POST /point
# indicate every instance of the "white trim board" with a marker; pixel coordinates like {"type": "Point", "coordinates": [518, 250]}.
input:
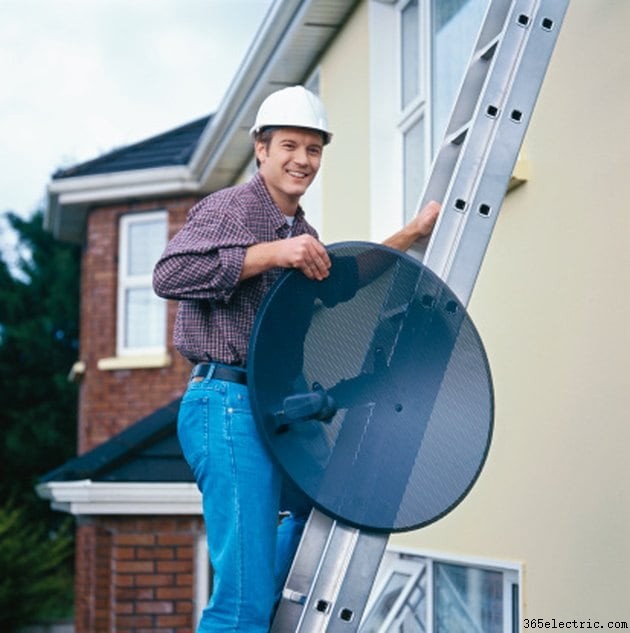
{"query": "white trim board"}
{"type": "Point", "coordinates": [87, 497]}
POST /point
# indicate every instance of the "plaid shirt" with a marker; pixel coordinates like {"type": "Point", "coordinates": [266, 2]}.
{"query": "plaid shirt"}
{"type": "Point", "coordinates": [202, 264]}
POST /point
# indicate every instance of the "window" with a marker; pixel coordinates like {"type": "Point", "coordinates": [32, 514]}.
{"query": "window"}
{"type": "Point", "coordinates": [419, 594]}
{"type": "Point", "coordinates": [436, 39]}
{"type": "Point", "coordinates": [429, 42]}
{"type": "Point", "coordinates": [455, 24]}
{"type": "Point", "coordinates": [141, 314]}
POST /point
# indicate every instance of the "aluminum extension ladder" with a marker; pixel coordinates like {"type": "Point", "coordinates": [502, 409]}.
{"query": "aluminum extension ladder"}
{"type": "Point", "coordinates": [335, 565]}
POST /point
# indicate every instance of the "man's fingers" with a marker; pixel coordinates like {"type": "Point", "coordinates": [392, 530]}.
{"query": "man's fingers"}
{"type": "Point", "coordinates": [311, 257]}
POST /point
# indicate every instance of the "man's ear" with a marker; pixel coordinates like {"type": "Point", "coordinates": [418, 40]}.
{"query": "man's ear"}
{"type": "Point", "coordinates": [260, 149]}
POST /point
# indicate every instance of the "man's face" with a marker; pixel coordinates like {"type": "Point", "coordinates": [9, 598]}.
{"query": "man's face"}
{"type": "Point", "coordinates": [289, 163]}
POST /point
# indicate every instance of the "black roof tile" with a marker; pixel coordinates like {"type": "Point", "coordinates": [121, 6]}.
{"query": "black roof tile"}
{"type": "Point", "coordinates": [148, 450]}
{"type": "Point", "coordinates": [164, 150]}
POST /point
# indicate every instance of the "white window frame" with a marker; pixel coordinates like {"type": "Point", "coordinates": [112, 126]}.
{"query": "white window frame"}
{"type": "Point", "coordinates": [388, 121]}
{"type": "Point", "coordinates": [417, 563]}
{"type": "Point", "coordinates": [126, 282]}
{"type": "Point", "coordinates": [419, 108]}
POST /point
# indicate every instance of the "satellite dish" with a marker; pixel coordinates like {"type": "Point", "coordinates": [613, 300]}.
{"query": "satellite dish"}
{"type": "Point", "coordinates": [372, 389]}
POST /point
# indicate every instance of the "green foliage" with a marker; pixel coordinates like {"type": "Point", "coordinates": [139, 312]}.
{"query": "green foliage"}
{"type": "Point", "coordinates": [35, 576]}
{"type": "Point", "coordinates": [39, 317]}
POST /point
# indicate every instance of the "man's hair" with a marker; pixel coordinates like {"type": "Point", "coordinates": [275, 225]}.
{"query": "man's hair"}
{"type": "Point", "coordinates": [265, 135]}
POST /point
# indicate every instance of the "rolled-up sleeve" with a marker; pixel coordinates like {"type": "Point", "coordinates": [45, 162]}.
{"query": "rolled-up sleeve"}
{"type": "Point", "coordinates": [205, 258]}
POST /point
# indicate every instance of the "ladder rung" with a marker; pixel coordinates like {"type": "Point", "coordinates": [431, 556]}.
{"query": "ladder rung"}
{"type": "Point", "coordinates": [488, 51]}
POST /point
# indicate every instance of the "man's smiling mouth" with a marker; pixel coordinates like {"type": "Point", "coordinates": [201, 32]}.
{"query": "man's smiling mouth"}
{"type": "Point", "coordinates": [296, 174]}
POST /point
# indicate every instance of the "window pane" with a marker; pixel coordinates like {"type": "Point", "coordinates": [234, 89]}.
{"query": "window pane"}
{"type": "Point", "coordinates": [467, 600]}
{"type": "Point", "coordinates": [410, 53]}
{"type": "Point", "coordinates": [455, 27]}
{"type": "Point", "coordinates": [144, 318]}
{"type": "Point", "coordinates": [413, 148]}
{"type": "Point", "coordinates": [394, 585]}
{"type": "Point", "coordinates": [147, 240]}
{"type": "Point", "coordinates": [412, 616]}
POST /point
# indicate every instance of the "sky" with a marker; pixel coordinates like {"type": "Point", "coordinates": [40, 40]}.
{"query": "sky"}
{"type": "Point", "coordinates": [79, 78]}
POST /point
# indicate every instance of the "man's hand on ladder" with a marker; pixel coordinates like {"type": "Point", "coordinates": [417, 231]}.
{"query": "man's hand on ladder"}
{"type": "Point", "coordinates": [420, 226]}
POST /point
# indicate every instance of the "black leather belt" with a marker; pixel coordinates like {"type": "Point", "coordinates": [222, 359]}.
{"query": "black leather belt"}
{"type": "Point", "coordinates": [221, 372]}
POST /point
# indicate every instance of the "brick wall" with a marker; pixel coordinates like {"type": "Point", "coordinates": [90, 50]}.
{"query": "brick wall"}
{"type": "Point", "coordinates": [136, 574]}
{"type": "Point", "coordinates": [110, 401]}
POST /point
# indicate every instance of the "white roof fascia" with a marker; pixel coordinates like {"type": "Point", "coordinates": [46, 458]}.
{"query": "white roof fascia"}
{"type": "Point", "coordinates": [87, 497]}
{"type": "Point", "coordinates": [247, 88]}
{"type": "Point", "coordinates": [289, 26]}
{"type": "Point", "coordinates": [112, 186]}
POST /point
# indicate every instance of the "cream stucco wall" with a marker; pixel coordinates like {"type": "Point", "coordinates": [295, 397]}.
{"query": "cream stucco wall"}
{"type": "Point", "coordinates": [553, 307]}
{"type": "Point", "coordinates": [344, 86]}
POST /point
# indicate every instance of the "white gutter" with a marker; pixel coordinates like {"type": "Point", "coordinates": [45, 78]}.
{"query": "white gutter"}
{"type": "Point", "coordinates": [69, 198]}
{"type": "Point", "coordinates": [125, 184]}
{"type": "Point", "coordinates": [87, 497]}
{"type": "Point", "coordinates": [283, 51]}
{"type": "Point", "coordinates": [250, 85]}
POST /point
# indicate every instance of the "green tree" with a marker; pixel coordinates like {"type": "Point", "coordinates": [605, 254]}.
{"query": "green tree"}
{"type": "Point", "coordinates": [35, 582]}
{"type": "Point", "coordinates": [39, 316]}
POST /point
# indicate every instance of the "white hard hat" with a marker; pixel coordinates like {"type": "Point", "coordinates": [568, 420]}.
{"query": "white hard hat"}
{"type": "Point", "coordinates": [293, 107]}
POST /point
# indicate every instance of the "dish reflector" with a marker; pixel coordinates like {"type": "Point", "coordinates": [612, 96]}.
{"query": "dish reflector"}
{"type": "Point", "coordinates": [372, 389]}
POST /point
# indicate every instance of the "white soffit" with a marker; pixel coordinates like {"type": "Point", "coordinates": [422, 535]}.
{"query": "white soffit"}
{"type": "Point", "coordinates": [285, 51]}
{"type": "Point", "coordinates": [87, 497]}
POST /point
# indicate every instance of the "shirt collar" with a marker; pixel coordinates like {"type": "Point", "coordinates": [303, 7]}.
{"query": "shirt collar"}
{"type": "Point", "coordinates": [278, 218]}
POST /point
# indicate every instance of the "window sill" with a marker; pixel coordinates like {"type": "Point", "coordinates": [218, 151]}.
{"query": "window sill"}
{"type": "Point", "coordinates": [142, 361]}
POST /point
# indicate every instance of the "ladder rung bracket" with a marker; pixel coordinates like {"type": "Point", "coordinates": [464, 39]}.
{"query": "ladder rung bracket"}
{"type": "Point", "coordinates": [351, 598]}
{"type": "Point", "coordinates": [315, 597]}
{"type": "Point", "coordinates": [305, 566]}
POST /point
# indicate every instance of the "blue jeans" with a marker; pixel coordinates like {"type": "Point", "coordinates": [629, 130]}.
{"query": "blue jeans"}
{"type": "Point", "coordinates": [240, 486]}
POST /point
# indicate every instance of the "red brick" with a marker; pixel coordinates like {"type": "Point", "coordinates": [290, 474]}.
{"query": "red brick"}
{"type": "Point", "coordinates": [153, 580]}
{"type": "Point", "coordinates": [112, 553]}
{"type": "Point", "coordinates": [155, 607]}
{"type": "Point", "coordinates": [183, 607]}
{"type": "Point", "coordinates": [173, 593]}
{"type": "Point", "coordinates": [125, 580]}
{"type": "Point", "coordinates": [173, 620]}
{"type": "Point", "coordinates": [135, 539]}
{"type": "Point", "coordinates": [134, 566]}
{"type": "Point", "coordinates": [175, 566]}
{"type": "Point", "coordinates": [134, 621]}
{"type": "Point", "coordinates": [124, 607]}
{"type": "Point", "coordinates": [184, 552]}
{"type": "Point", "coordinates": [155, 553]}
{"type": "Point", "coordinates": [174, 539]}
{"type": "Point", "coordinates": [184, 580]}
{"type": "Point", "coordinates": [134, 593]}
{"type": "Point", "coordinates": [123, 553]}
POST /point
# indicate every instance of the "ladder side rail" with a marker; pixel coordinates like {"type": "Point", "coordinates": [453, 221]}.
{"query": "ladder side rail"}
{"type": "Point", "coordinates": [304, 568]}
{"type": "Point", "coordinates": [479, 142]}
{"type": "Point", "coordinates": [473, 79]}
{"type": "Point", "coordinates": [353, 590]}
{"type": "Point", "coordinates": [321, 576]}
{"type": "Point", "coordinates": [325, 588]}
{"type": "Point", "coordinates": [484, 178]}
{"type": "Point", "coordinates": [451, 183]}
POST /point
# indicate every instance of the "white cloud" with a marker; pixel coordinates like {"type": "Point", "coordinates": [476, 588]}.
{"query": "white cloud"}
{"type": "Point", "coordinates": [81, 78]}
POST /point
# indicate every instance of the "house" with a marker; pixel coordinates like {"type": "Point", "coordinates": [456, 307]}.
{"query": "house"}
{"type": "Point", "coordinates": [541, 538]}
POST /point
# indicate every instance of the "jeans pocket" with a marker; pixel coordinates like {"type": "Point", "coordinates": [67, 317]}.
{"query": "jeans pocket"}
{"type": "Point", "coordinates": [192, 428]}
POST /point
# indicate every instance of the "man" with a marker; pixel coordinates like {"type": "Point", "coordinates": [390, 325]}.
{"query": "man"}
{"type": "Point", "coordinates": [220, 266]}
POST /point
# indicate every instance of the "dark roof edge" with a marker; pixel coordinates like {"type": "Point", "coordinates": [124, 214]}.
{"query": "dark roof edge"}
{"type": "Point", "coordinates": [118, 448]}
{"type": "Point", "coordinates": [70, 172]}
